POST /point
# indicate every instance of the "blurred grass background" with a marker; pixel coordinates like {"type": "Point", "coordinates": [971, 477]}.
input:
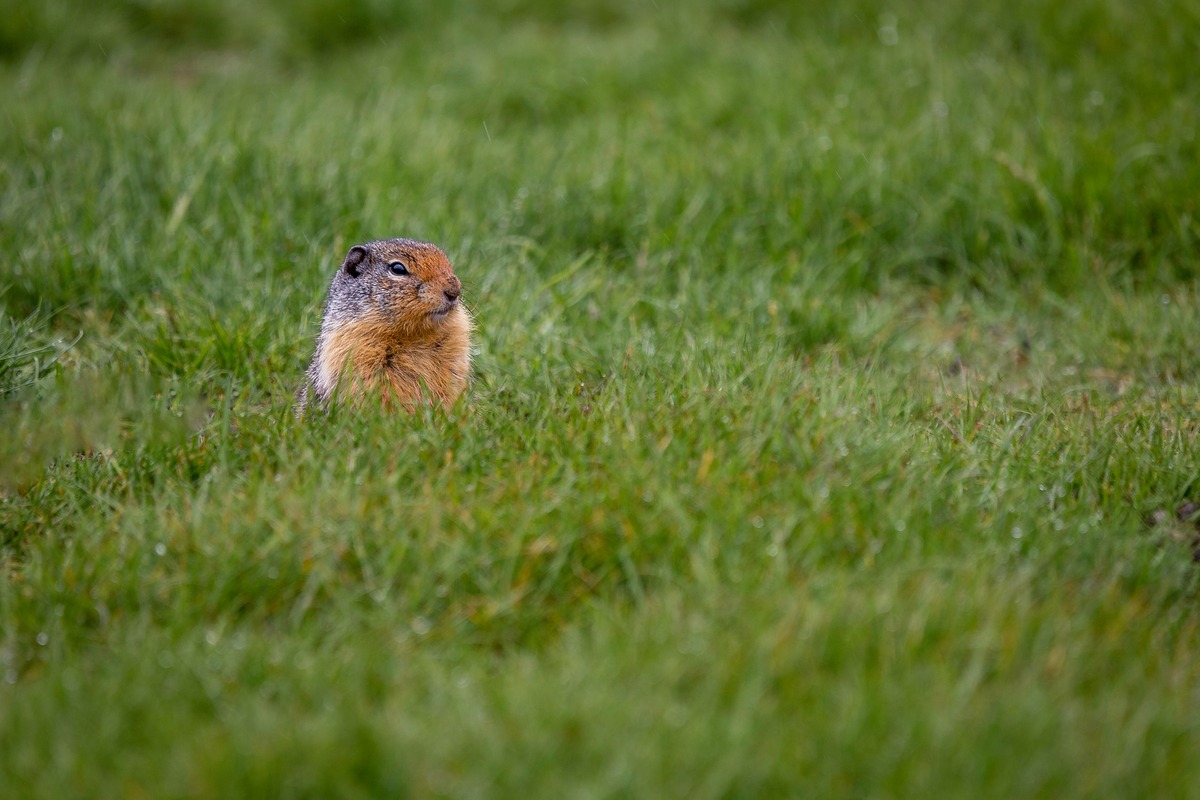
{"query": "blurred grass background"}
{"type": "Point", "coordinates": [831, 360]}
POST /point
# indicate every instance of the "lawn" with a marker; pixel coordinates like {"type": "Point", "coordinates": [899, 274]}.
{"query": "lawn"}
{"type": "Point", "coordinates": [834, 430]}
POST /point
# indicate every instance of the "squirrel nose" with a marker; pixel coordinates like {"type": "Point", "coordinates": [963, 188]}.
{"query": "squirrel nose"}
{"type": "Point", "coordinates": [453, 291]}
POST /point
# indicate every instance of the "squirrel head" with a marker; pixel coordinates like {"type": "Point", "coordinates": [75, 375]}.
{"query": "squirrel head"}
{"type": "Point", "coordinates": [403, 284]}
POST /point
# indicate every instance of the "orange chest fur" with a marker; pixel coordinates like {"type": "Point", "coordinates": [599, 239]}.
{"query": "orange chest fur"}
{"type": "Point", "coordinates": [374, 358]}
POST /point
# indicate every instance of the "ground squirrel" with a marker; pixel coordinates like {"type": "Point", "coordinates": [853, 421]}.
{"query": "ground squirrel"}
{"type": "Point", "coordinates": [394, 327]}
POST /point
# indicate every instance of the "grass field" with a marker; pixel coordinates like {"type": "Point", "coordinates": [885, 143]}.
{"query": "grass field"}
{"type": "Point", "coordinates": [835, 419]}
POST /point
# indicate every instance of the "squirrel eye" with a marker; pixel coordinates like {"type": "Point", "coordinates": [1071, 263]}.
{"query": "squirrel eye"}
{"type": "Point", "coordinates": [398, 268]}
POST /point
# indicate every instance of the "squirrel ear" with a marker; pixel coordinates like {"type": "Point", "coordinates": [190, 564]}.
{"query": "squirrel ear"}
{"type": "Point", "coordinates": [354, 259]}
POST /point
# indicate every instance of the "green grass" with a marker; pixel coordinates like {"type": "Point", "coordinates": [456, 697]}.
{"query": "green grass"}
{"type": "Point", "coordinates": [831, 359]}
